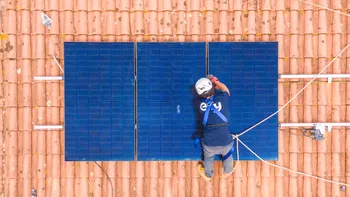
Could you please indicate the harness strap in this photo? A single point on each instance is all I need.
(217, 125)
(229, 153)
(198, 141)
(210, 106)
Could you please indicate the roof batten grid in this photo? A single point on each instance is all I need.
(10, 100)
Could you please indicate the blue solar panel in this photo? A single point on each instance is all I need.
(167, 118)
(99, 101)
(250, 72)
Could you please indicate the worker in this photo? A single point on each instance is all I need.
(217, 139)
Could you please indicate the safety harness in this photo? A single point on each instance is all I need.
(210, 106)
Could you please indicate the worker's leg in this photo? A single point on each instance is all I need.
(209, 153)
(227, 163)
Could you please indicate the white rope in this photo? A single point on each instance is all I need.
(319, 6)
(285, 105)
(281, 167)
(237, 153)
(289, 170)
(57, 63)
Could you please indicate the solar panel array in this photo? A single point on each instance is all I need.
(99, 101)
(250, 71)
(110, 116)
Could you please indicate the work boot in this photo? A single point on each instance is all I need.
(200, 170)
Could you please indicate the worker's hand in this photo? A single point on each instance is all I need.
(212, 78)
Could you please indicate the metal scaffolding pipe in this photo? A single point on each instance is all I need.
(332, 124)
(304, 76)
(48, 78)
(48, 127)
(310, 76)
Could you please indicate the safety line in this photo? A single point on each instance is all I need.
(293, 171)
(237, 153)
(319, 6)
(285, 105)
(58, 64)
(109, 179)
(281, 167)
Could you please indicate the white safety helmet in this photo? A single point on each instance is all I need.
(203, 85)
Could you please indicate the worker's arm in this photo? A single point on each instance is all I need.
(222, 87)
(218, 84)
